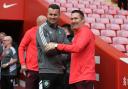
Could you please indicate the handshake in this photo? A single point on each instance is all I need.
(50, 46)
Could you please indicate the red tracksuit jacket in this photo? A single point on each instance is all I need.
(82, 50)
(28, 45)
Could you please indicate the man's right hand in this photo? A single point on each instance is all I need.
(23, 68)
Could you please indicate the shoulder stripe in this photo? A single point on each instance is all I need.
(13, 50)
(41, 34)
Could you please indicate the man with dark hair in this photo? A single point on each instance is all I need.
(29, 62)
(51, 63)
(82, 48)
(80, 13)
(54, 6)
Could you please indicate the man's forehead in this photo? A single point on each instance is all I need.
(75, 15)
(7, 38)
(2, 35)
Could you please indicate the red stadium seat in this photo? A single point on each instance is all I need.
(98, 11)
(111, 12)
(120, 40)
(85, 2)
(94, 15)
(125, 21)
(71, 1)
(91, 6)
(122, 33)
(111, 7)
(124, 27)
(120, 16)
(51, 1)
(77, 5)
(99, 26)
(103, 7)
(106, 39)
(110, 33)
(98, 3)
(119, 47)
(96, 32)
(90, 20)
(116, 21)
(105, 4)
(127, 48)
(112, 26)
(60, 1)
(106, 16)
(90, 1)
(87, 11)
(102, 20)
(67, 5)
(71, 9)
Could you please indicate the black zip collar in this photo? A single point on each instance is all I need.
(55, 26)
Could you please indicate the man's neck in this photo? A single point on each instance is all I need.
(55, 25)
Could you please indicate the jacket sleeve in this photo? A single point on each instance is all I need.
(22, 47)
(66, 41)
(42, 36)
(54, 52)
(80, 42)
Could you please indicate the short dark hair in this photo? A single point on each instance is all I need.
(54, 6)
(68, 26)
(80, 12)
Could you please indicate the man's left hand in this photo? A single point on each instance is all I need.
(4, 65)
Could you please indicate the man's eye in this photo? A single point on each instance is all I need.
(50, 14)
(55, 15)
(74, 18)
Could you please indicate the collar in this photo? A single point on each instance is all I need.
(77, 30)
(52, 25)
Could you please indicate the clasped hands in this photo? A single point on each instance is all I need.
(4, 65)
(50, 46)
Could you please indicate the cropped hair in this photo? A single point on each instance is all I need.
(54, 6)
(79, 12)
